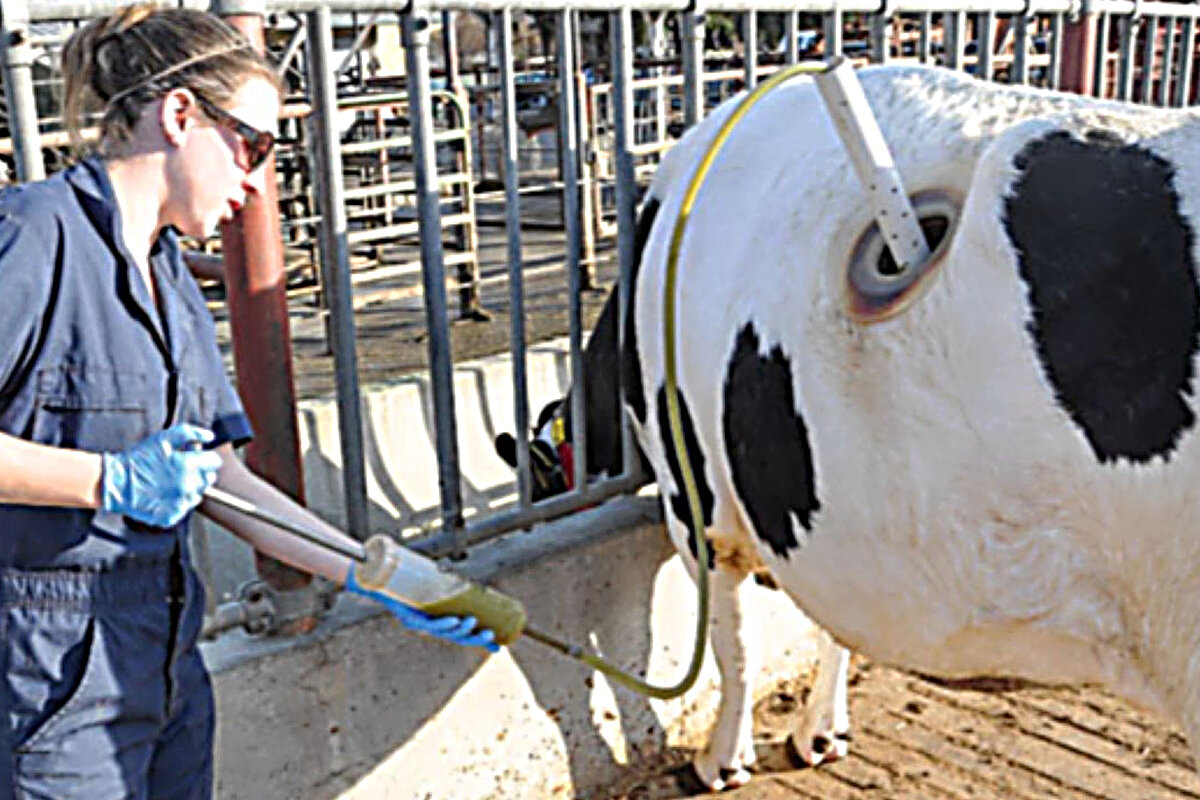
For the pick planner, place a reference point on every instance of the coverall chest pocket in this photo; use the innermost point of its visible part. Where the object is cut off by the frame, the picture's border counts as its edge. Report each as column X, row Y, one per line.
column 90, row 409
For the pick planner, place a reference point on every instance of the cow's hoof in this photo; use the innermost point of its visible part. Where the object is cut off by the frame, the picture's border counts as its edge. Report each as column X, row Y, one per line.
column 820, row 748
column 715, row 778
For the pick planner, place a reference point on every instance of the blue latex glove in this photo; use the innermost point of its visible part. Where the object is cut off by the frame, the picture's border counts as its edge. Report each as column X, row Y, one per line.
column 459, row 630
column 161, row 478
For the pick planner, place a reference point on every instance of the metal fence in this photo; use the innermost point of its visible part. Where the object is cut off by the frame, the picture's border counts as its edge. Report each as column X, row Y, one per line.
column 1141, row 51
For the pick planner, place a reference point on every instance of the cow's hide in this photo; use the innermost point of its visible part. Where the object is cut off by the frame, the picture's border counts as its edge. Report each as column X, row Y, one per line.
column 1000, row 480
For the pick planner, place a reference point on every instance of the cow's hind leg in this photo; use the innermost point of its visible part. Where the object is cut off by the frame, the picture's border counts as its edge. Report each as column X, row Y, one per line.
column 822, row 729
column 726, row 761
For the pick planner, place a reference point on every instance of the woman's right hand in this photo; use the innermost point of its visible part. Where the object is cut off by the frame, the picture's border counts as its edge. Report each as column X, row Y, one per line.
column 161, row 478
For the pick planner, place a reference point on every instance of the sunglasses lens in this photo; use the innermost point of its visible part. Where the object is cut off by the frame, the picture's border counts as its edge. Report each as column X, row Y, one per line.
column 260, row 148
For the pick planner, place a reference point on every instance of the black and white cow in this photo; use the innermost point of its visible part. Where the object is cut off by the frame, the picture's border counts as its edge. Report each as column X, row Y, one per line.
column 998, row 474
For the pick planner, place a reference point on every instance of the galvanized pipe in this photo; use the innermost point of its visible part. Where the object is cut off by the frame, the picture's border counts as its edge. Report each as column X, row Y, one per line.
column 18, row 90
column 833, row 24
column 985, row 34
column 1129, row 33
column 693, row 67
column 433, row 273
column 1168, row 57
column 880, row 52
column 1100, row 57
column 516, row 282
column 621, row 23
column 925, row 46
column 479, row 530
column 750, row 43
column 791, row 49
column 335, row 267
column 1020, row 68
column 1150, row 29
column 1187, row 60
column 1057, row 26
column 569, row 152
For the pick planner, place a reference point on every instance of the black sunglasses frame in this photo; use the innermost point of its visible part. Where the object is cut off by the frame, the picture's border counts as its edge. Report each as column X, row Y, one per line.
column 259, row 144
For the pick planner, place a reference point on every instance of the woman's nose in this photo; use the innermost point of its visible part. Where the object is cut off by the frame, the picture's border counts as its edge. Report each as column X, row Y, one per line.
column 256, row 182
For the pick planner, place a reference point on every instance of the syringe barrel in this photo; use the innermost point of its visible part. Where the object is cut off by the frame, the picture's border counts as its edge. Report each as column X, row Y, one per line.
column 411, row 578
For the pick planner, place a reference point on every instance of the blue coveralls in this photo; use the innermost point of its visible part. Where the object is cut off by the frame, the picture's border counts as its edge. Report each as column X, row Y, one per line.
column 104, row 694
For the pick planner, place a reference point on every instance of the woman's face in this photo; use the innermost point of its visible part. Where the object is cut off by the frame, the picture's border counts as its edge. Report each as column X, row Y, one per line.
column 213, row 178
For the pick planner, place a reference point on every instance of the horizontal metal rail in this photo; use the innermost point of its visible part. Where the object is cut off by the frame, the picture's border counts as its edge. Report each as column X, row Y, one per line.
column 441, row 543
column 375, row 145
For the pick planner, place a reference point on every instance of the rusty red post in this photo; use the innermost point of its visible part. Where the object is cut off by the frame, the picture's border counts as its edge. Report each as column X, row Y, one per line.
column 1079, row 55
column 256, row 292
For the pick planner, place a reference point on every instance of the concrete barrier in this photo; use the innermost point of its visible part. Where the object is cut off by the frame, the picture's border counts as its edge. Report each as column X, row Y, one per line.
column 361, row 708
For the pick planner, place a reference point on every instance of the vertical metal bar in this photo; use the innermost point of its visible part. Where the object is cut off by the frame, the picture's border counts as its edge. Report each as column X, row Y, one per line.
column 1149, row 46
column 18, row 90
column 512, row 229
column 1100, row 73
column 416, row 27
column 335, row 265
column 791, row 33
column 1057, row 26
column 693, row 67
column 1079, row 54
column 1187, row 60
column 1021, row 45
column 925, row 45
column 750, row 43
column 622, row 68
column 255, row 290
column 588, row 213
column 833, row 33
column 1129, row 32
column 1168, row 57
column 957, row 49
column 985, row 36
column 569, row 150
column 450, row 51
column 879, row 38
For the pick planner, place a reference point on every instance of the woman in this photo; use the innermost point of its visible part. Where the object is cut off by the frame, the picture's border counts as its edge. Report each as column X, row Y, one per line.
column 116, row 415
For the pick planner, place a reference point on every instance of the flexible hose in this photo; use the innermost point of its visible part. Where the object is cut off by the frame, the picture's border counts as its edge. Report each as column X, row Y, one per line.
column 687, row 475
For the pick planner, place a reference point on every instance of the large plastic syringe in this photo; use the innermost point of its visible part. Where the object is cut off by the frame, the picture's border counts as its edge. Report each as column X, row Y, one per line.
column 394, row 570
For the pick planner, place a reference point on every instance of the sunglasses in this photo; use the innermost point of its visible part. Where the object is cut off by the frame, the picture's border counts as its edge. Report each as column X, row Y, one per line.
column 258, row 143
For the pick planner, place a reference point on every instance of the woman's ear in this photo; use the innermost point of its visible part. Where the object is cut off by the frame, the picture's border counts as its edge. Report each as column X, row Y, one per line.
column 173, row 115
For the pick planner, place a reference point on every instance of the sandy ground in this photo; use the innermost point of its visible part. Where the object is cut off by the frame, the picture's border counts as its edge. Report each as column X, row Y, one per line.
column 917, row 740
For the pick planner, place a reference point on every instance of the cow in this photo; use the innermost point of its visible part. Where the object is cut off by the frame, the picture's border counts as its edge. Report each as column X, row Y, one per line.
column 991, row 470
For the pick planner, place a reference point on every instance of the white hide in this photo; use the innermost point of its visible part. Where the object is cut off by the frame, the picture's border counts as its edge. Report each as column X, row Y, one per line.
column 965, row 528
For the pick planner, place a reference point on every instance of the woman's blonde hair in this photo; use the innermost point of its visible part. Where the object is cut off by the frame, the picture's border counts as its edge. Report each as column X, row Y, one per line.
column 115, row 65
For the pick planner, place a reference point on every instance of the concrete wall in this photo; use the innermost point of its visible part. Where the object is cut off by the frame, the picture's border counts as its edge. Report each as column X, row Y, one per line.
column 361, row 708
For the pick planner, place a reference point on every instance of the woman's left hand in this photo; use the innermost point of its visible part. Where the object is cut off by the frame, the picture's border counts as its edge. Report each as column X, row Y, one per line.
column 459, row 630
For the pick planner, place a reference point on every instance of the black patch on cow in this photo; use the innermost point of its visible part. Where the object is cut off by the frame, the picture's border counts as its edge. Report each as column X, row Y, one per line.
column 678, row 500
column 767, row 444
column 1107, row 257
column 631, row 367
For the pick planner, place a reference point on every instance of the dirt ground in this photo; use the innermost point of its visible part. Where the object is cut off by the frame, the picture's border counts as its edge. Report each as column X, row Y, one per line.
column 917, row 740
